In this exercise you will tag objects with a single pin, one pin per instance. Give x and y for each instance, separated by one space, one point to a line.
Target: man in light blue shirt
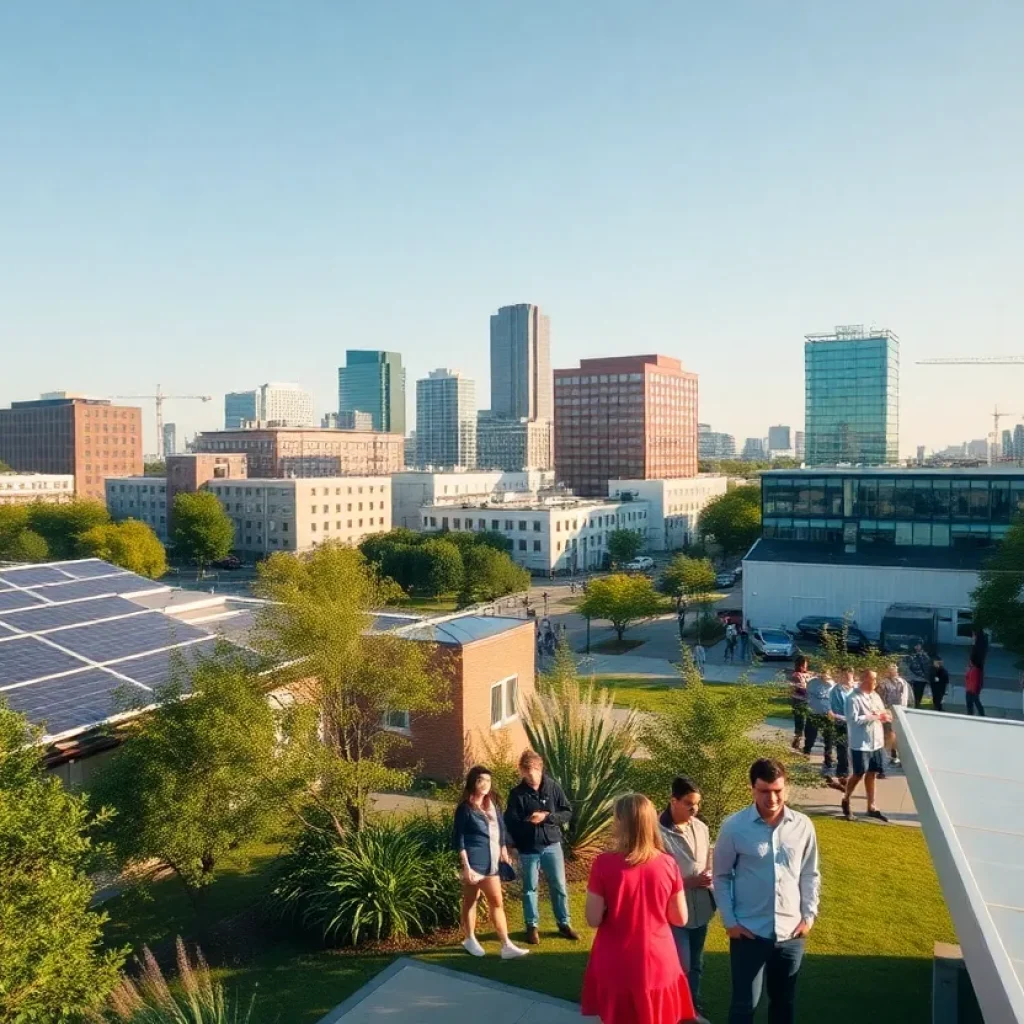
766 884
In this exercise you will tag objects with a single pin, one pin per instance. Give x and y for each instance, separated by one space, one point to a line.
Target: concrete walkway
409 992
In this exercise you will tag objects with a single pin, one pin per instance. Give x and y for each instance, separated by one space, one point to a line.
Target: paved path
409 992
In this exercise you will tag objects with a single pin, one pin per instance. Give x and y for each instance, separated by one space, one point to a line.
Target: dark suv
812 626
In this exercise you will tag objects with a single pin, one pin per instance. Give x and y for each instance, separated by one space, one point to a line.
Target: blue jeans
552 863
690 947
757 962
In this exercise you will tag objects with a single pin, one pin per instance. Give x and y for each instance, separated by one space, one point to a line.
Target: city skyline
177 205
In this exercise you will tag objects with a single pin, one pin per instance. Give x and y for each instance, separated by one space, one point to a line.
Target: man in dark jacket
938 681
920 666
537 810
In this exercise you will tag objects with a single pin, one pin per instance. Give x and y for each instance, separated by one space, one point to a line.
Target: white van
640 564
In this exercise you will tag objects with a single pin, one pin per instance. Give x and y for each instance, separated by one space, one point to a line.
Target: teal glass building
851 396
374 382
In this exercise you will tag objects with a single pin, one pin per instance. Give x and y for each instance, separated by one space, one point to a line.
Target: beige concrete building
139 497
513 444
675 505
277 452
22 488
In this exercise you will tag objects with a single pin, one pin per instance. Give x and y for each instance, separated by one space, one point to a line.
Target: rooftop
1002 469
854 332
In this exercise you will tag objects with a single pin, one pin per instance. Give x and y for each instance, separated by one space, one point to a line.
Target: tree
191 780
18 542
562 671
690 579
490 574
130 544
61 525
623 546
441 567
52 964
200 529
999 597
4 468
156 468
733 519
621 600
349 682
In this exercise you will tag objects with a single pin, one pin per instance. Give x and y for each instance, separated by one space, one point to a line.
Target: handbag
506 872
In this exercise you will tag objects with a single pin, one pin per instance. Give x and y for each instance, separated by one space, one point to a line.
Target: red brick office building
626 417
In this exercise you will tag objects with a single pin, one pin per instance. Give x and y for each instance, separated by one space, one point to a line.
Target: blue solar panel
10 599
33 575
122 638
76 701
23 658
126 583
47 616
88 568
166 666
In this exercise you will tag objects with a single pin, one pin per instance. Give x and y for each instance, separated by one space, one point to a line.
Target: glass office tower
374 382
851 397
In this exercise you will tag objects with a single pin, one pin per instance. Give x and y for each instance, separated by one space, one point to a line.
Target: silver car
772 643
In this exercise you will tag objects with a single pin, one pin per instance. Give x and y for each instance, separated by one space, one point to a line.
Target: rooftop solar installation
966 776
87 568
24 658
12 599
125 637
464 629
68 590
31 575
49 616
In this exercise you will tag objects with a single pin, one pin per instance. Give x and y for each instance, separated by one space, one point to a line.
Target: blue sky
214 194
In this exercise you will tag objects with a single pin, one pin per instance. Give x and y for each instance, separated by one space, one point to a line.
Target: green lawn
656 696
441 603
881 912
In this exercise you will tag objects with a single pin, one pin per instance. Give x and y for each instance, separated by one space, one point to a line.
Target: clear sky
210 195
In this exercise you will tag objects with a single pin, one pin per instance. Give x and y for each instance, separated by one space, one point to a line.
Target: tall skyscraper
624 418
374 382
446 420
753 449
778 439
521 385
240 406
799 446
713 444
1007 445
1018 442
851 397
286 405
170 439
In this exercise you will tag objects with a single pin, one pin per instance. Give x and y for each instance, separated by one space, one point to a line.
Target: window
397 721
504 701
522 525
536 526
536 545
522 545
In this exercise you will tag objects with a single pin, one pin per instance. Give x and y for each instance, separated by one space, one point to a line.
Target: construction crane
159 398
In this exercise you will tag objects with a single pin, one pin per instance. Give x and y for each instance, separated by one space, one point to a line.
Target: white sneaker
473 947
512 952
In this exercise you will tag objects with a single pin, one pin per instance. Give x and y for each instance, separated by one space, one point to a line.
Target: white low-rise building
22 488
675 506
139 497
412 489
556 534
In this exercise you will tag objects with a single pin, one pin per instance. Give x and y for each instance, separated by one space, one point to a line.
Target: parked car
230 562
729 616
725 579
641 564
812 626
906 625
772 643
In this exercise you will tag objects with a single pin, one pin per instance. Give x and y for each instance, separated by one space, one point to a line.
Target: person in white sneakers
479 838
895 693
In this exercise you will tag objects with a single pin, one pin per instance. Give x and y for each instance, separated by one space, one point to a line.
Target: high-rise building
778 439
920 454
978 448
240 407
625 418
512 445
354 420
753 449
446 420
68 434
1007 451
286 405
799 447
170 439
1018 442
852 397
374 382
521 364
711 444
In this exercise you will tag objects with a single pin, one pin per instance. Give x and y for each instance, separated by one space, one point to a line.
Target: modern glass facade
240 406
900 508
374 382
851 395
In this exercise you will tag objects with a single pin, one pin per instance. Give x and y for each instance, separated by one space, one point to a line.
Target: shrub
197 998
391 879
587 749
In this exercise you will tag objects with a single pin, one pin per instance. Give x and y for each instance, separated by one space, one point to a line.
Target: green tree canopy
52 964
688 578
60 525
733 519
999 597
489 574
191 779
621 600
130 544
623 546
18 541
158 467
442 567
200 529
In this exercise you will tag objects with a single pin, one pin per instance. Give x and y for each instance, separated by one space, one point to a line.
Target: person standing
744 640
537 810
634 896
479 837
700 657
837 716
819 695
895 693
730 642
938 683
919 665
766 883
865 714
975 677
688 841
798 681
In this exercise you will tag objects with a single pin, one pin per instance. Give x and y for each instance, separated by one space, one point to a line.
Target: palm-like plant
588 748
197 999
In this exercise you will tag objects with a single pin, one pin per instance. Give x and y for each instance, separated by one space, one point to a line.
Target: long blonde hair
636 829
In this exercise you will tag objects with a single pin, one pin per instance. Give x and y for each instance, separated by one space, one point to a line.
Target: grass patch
657 696
614 645
441 603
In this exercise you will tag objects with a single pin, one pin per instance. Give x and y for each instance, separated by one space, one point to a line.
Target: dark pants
938 693
824 725
974 706
763 962
842 750
799 720
690 947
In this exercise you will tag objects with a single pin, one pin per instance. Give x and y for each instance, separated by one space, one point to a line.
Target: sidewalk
409 992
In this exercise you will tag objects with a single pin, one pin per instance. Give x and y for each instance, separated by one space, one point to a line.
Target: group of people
736 636
652 897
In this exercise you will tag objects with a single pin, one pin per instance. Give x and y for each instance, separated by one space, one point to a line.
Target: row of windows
601 378
337 525
886 532
337 508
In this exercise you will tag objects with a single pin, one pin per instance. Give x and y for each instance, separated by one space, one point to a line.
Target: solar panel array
75 652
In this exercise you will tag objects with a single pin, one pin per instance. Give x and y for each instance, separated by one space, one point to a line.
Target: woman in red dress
634 894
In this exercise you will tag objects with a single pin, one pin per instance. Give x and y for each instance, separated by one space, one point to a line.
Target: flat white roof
966 776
